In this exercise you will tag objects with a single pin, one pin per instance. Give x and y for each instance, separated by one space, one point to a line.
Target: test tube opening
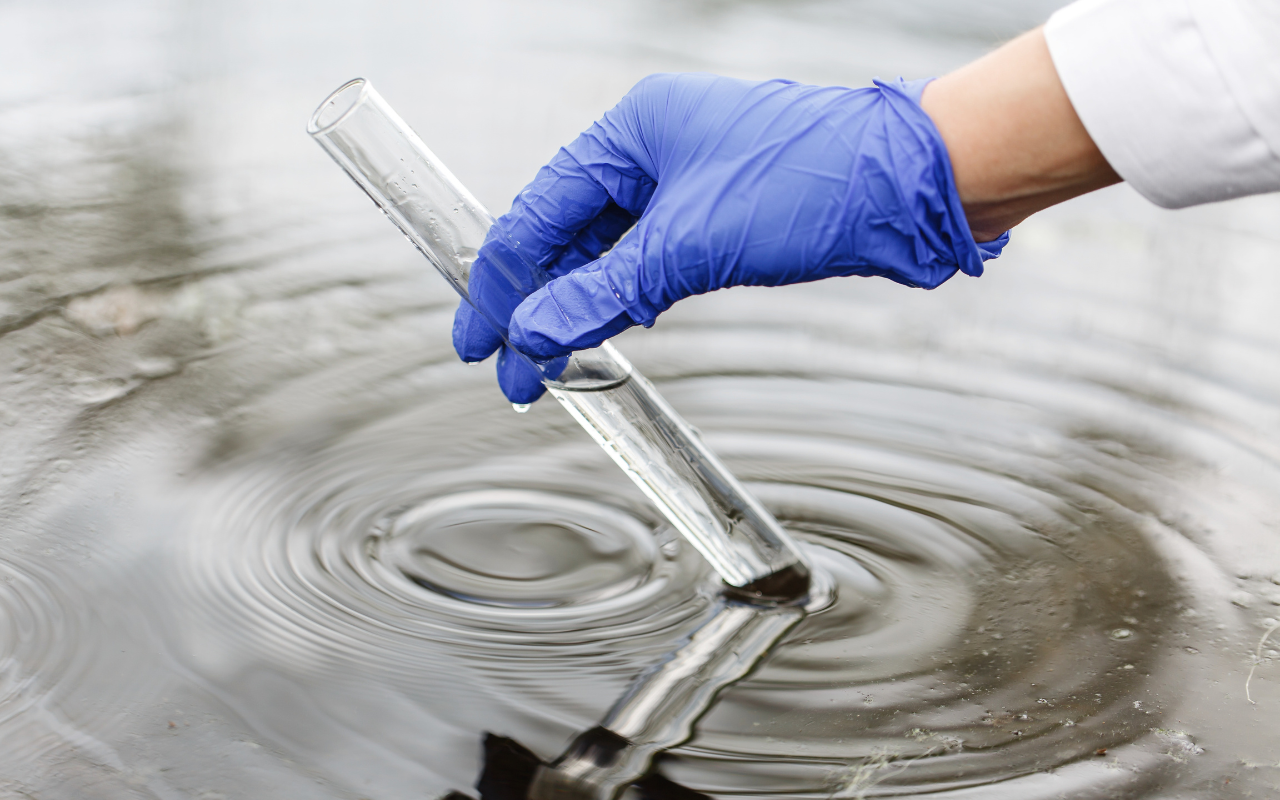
338 106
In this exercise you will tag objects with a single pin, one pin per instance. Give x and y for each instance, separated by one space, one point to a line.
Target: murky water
262 536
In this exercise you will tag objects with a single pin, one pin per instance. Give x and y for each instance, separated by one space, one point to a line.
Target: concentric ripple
66 674
518 549
1016 589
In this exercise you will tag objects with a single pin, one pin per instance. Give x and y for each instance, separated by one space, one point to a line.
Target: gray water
262 536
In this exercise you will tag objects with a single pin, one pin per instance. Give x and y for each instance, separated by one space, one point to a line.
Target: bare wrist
1015 141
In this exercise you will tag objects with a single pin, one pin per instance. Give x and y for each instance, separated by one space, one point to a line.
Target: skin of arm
1016 143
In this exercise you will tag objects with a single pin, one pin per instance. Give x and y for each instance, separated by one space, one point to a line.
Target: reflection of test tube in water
660 708
621 410
657 712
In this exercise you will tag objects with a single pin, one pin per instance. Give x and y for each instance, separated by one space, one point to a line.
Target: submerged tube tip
337 106
787 587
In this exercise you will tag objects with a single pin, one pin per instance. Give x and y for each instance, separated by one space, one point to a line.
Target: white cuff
1186 112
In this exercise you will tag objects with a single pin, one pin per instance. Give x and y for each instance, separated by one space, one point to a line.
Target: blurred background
207 335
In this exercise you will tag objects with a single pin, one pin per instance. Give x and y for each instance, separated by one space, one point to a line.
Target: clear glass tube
621 410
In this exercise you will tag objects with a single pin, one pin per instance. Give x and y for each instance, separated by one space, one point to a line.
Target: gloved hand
728 183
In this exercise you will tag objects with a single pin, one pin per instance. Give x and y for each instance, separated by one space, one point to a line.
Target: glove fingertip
474 339
520 382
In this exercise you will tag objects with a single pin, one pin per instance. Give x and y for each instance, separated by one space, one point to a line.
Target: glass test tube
621 410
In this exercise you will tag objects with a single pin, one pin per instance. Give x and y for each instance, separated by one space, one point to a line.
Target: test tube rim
313 124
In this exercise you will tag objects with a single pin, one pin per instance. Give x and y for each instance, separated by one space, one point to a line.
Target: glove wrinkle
590 243
571 312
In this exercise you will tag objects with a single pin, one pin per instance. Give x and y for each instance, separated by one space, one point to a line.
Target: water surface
262 536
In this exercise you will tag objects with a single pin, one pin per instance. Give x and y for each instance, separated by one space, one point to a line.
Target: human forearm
1016 143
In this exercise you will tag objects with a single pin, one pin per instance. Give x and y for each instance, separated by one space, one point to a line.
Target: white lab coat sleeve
1181 96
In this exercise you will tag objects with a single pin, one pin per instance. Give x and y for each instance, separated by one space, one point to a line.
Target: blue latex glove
728 183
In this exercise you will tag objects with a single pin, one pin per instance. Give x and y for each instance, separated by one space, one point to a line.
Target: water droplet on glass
520 408
1121 633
